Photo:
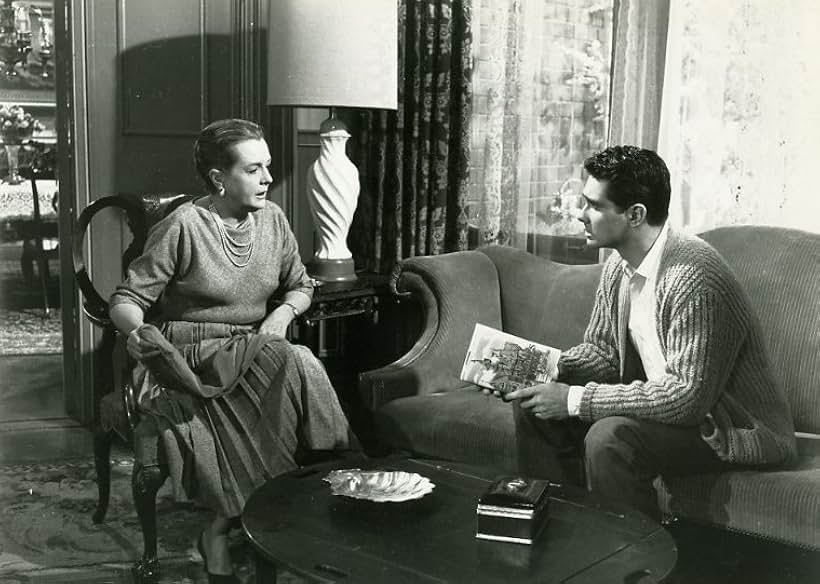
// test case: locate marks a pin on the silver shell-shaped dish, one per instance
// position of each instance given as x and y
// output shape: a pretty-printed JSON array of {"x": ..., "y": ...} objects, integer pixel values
[{"x": 380, "y": 486}]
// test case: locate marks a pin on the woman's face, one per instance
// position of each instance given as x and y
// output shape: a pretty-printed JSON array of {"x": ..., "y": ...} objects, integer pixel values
[{"x": 247, "y": 181}]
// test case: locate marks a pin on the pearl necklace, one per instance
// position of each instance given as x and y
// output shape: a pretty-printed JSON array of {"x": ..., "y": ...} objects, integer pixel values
[{"x": 237, "y": 252}]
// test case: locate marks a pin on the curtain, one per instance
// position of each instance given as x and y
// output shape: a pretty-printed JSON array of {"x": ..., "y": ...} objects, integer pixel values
[
  {"x": 413, "y": 163},
  {"x": 540, "y": 107},
  {"x": 740, "y": 115},
  {"x": 638, "y": 57}
]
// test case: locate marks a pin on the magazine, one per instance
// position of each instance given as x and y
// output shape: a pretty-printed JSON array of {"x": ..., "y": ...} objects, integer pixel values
[{"x": 503, "y": 362}]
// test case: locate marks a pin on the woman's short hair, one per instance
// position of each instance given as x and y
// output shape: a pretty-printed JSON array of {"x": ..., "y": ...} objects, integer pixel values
[
  {"x": 212, "y": 148},
  {"x": 633, "y": 175}
]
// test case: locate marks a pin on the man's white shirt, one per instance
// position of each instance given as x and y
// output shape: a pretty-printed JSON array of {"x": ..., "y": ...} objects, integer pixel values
[{"x": 642, "y": 330}]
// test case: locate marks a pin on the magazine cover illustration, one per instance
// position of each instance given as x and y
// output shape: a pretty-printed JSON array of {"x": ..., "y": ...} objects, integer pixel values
[{"x": 503, "y": 362}]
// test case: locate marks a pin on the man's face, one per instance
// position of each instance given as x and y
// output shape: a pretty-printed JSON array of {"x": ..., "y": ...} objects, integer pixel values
[{"x": 604, "y": 224}]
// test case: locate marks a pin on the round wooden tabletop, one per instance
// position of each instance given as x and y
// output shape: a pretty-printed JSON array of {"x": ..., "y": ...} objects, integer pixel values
[{"x": 295, "y": 523}]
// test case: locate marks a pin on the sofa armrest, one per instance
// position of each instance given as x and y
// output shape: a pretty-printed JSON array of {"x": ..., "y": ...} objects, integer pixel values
[{"x": 455, "y": 291}]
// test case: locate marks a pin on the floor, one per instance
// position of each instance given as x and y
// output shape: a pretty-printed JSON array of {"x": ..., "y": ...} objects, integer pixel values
[{"x": 33, "y": 421}]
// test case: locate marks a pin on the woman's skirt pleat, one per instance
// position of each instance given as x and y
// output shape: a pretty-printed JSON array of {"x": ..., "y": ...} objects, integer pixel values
[{"x": 221, "y": 449}]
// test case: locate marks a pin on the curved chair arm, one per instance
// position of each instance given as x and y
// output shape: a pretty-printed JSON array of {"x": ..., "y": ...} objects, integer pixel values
[
  {"x": 141, "y": 212},
  {"x": 94, "y": 306},
  {"x": 455, "y": 291}
]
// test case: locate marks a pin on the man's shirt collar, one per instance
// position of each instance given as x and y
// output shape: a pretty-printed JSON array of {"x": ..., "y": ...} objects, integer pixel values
[{"x": 651, "y": 263}]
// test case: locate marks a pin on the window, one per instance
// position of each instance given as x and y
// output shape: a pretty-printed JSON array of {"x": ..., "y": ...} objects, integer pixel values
[
  {"x": 740, "y": 117},
  {"x": 540, "y": 107}
]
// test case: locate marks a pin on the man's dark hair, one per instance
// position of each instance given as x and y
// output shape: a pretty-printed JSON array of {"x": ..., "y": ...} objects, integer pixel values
[
  {"x": 213, "y": 147},
  {"x": 633, "y": 175}
]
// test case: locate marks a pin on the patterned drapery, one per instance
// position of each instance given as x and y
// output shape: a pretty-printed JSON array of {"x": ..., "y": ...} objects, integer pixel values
[{"x": 414, "y": 162}]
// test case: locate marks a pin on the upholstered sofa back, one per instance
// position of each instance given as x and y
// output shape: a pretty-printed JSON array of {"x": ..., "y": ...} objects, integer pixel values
[
  {"x": 541, "y": 300},
  {"x": 780, "y": 271},
  {"x": 537, "y": 299}
]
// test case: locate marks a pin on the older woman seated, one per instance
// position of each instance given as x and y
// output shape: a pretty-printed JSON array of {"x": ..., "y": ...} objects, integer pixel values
[{"x": 231, "y": 399}]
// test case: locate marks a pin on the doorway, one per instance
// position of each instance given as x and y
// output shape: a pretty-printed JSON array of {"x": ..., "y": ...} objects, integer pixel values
[{"x": 31, "y": 360}]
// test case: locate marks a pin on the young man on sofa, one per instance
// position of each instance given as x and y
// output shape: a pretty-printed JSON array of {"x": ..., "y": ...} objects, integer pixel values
[{"x": 671, "y": 377}]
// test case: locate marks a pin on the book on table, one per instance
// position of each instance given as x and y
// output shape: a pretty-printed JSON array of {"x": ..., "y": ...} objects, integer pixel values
[{"x": 503, "y": 362}]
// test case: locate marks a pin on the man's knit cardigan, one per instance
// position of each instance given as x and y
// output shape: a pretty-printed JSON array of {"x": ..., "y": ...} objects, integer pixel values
[{"x": 717, "y": 375}]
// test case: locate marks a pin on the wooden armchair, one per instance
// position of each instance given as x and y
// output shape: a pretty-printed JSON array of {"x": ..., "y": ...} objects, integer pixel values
[{"x": 115, "y": 410}]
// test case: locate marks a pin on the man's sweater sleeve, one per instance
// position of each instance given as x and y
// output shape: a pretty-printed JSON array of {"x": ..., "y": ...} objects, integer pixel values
[{"x": 596, "y": 358}]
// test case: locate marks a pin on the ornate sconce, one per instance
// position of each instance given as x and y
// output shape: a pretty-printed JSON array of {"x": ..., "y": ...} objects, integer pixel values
[{"x": 26, "y": 40}]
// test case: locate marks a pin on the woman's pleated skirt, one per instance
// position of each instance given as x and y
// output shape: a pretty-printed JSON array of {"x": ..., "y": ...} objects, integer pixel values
[{"x": 220, "y": 449}]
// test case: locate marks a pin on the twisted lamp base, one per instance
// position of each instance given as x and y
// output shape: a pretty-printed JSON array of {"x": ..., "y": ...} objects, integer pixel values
[{"x": 333, "y": 192}]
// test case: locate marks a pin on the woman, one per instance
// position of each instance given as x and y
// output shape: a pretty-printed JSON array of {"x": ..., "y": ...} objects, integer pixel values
[{"x": 232, "y": 400}]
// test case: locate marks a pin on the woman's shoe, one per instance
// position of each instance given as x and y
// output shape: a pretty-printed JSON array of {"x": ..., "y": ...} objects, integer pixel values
[{"x": 213, "y": 578}]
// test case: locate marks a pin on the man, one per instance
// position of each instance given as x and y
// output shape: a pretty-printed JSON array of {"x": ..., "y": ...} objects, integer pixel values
[{"x": 672, "y": 377}]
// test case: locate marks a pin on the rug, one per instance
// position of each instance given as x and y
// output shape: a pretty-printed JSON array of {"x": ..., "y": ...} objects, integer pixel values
[
  {"x": 47, "y": 536},
  {"x": 27, "y": 331},
  {"x": 24, "y": 328}
]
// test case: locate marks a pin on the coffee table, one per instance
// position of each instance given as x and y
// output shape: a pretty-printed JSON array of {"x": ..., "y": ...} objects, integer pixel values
[{"x": 294, "y": 522}]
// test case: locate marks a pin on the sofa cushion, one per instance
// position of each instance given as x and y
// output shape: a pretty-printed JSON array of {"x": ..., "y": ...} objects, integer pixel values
[
  {"x": 782, "y": 504},
  {"x": 463, "y": 425}
]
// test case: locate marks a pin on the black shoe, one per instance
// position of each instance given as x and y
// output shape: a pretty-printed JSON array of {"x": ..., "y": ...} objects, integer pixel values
[{"x": 213, "y": 578}]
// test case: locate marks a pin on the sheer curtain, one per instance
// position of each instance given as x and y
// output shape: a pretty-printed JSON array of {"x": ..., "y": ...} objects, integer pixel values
[
  {"x": 638, "y": 59},
  {"x": 740, "y": 113},
  {"x": 540, "y": 106}
]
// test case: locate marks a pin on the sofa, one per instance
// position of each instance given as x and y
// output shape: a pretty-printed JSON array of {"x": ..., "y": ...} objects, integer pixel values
[{"x": 419, "y": 404}]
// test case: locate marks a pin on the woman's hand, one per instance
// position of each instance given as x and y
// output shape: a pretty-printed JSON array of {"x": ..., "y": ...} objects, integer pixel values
[
  {"x": 277, "y": 322},
  {"x": 137, "y": 348}
]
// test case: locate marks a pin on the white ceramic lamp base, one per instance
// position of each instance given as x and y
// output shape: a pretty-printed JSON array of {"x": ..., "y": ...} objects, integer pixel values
[{"x": 333, "y": 192}]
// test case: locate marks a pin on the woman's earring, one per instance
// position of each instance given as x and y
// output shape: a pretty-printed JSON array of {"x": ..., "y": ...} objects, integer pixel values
[{"x": 221, "y": 191}]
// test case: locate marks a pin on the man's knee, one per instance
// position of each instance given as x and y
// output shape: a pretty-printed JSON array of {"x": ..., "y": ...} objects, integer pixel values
[{"x": 609, "y": 436}]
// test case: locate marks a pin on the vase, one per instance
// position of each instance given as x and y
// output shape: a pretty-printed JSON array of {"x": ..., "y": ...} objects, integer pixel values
[{"x": 13, "y": 156}]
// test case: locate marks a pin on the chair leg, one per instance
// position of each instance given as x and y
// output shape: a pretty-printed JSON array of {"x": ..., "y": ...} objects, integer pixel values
[
  {"x": 102, "y": 464},
  {"x": 145, "y": 482},
  {"x": 27, "y": 261}
]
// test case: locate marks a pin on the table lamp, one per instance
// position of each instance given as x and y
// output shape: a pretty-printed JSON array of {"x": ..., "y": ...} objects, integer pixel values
[{"x": 329, "y": 54}]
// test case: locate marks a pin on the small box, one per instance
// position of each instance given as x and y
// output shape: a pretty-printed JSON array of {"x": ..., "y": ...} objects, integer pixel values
[{"x": 513, "y": 509}]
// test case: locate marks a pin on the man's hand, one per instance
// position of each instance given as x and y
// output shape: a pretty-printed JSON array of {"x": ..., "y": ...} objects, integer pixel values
[
  {"x": 547, "y": 401},
  {"x": 277, "y": 322}
]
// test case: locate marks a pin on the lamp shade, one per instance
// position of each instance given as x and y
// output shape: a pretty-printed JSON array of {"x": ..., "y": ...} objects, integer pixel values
[{"x": 333, "y": 53}]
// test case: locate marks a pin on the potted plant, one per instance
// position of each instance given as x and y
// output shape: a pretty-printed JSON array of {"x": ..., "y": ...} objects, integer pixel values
[{"x": 16, "y": 125}]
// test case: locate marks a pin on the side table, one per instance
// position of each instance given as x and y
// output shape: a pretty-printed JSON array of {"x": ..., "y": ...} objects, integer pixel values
[
  {"x": 327, "y": 327},
  {"x": 339, "y": 300}
]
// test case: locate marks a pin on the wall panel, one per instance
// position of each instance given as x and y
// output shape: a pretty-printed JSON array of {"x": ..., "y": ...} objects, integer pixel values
[
  {"x": 162, "y": 68},
  {"x": 175, "y": 73}
]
